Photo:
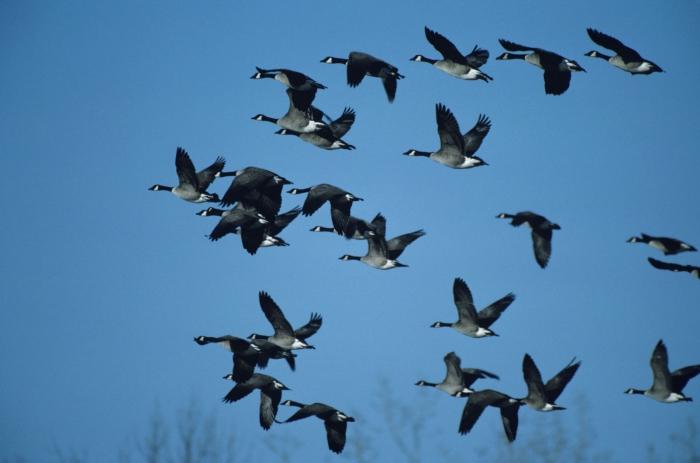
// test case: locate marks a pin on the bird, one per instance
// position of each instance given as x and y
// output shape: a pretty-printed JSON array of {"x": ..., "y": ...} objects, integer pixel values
[
  {"x": 271, "y": 228},
  {"x": 355, "y": 228},
  {"x": 329, "y": 136},
  {"x": 453, "y": 145},
  {"x": 255, "y": 187},
  {"x": 284, "y": 336},
  {"x": 557, "y": 69},
  {"x": 465, "y": 67},
  {"x": 667, "y": 387},
  {"x": 542, "y": 397},
  {"x": 541, "y": 233},
  {"x": 668, "y": 246},
  {"x": 193, "y": 185},
  {"x": 301, "y": 117},
  {"x": 247, "y": 354},
  {"x": 248, "y": 222},
  {"x": 382, "y": 254},
  {"x": 340, "y": 200},
  {"x": 292, "y": 79},
  {"x": 457, "y": 380},
  {"x": 625, "y": 58},
  {"x": 301, "y": 333},
  {"x": 334, "y": 420},
  {"x": 359, "y": 64},
  {"x": 661, "y": 265},
  {"x": 476, "y": 135},
  {"x": 270, "y": 395},
  {"x": 469, "y": 322},
  {"x": 479, "y": 400}
]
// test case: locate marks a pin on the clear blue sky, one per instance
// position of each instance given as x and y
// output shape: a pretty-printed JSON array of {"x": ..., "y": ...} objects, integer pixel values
[{"x": 104, "y": 284}]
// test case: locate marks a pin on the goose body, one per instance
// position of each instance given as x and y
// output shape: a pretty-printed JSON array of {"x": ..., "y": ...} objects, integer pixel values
[
  {"x": 257, "y": 188},
  {"x": 477, "y": 403},
  {"x": 557, "y": 69},
  {"x": 541, "y": 232},
  {"x": 668, "y": 246},
  {"x": 667, "y": 387},
  {"x": 469, "y": 322},
  {"x": 542, "y": 397},
  {"x": 625, "y": 58},
  {"x": 359, "y": 64},
  {"x": 661, "y": 265},
  {"x": 465, "y": 67},
  {"x": 456, "y": 150},
  {"x": 301, "y": 116},
  {"x": 334, "y": 421},
  {"x": 457, "y": 380},
  {"x": 270, "y": 395},
  {"x": 284, "y": 336},
  {"x": 340, "y": 200},
  {"x": 192, "y": 185}
]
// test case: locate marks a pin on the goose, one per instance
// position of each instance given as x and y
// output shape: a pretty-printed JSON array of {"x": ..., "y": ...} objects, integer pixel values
[
  {"x": 341, "y": 201},
  {"x": 257, "y": 188},
  {"x": 465, "y": 67},
  {"x": 301, "y": 117},
  {"x": 247, "y": 354},
  {"x": 355, "y": 228},
  {"x": 334, "y": 420},
  {"x": 469, "y": 322},
  {"x": 301, "y": 333},
  {"x": 452, "y": 152},
  {"x": 252, "y": 226},
  {"x": 270, "y": 395},
  {"x": 661, "y": 265},
  {"x": 192, "y": 185},
  {"x": 668, "y": 246},
  {"x": 284, "y": 336},
  {"x": 457, "y": 380},
  {"x": 479, "y": 400},
  {"x": 382, "y": 254},
  {"x": 625, "y": 58},
  {"x": 542, "y": 397},
  {"x": 541, "y": 233},
  {"x": 359, "y": 64},
  {"x": 292, "y": 79},
  {"x": 557, "y": 69},
  {"x": 271, "y": 229},
  {"x": 667, "y": 387},
  {"x": 328, "y": 136}
]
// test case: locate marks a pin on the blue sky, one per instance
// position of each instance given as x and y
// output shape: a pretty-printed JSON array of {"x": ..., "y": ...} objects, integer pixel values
[{"x": 104, "y": 283}]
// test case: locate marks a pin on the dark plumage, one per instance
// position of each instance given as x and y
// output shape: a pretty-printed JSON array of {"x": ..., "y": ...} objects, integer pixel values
[
  {"x": 661, "y": 265},
  {"x": 557, "y": 69},
  {"x": 359, "y": 64},
  {"x": 192, "y": 185},
  {"x": 270, "y": 395},
  {"x": 625, "y": 58},
  {"x": 541, "y": 233},
  {"x": 334, "y": 420}
]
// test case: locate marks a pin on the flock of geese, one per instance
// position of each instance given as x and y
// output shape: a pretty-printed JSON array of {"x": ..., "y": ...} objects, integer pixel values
[{"x": 256, "y": 196}]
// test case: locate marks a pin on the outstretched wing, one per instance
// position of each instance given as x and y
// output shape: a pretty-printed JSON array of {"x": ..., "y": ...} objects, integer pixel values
[{"x": 274, "y": 314}]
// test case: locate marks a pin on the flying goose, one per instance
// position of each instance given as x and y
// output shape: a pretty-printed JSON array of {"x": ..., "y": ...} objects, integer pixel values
[
  {"x": 382, "y": 254},
  {"x": 284, "y": 336},
  {"x": 667, "y": 387},
  {"x": 453, "y": 145},
  {"x": 542, "y": 397},
  {"x": 303, "y": 117},
  {"x": 329, "y": 136},
  {"x": 340, "y": 200},
  {"x": 479, "y": 400},
  {"x": 192, "y": 185},
  {"x": 247, "y": 354},
  {"x": 334, "y": 420},
  {"x": 541, "y": 233},
  {"x": 668, "y": 246},
  {"x": 257, "y": 188},
  {"x": 294, "y": 80},
  {"x": 464, "y": 67},
  {"x": 271, "y": 229},
  {"x": 457, "y": 379},
  {"x": 661, "y": 265},
  {"x": 471, "y": 323},
  {"x": 625, "y": 58},
  {"x": 557, "y": 69},
  {"x": 270, "y": 395},
  {"x": 359, "y": 64},
  {"x": 355, "y": 228},
  {"x": 301, "y": 333}
]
